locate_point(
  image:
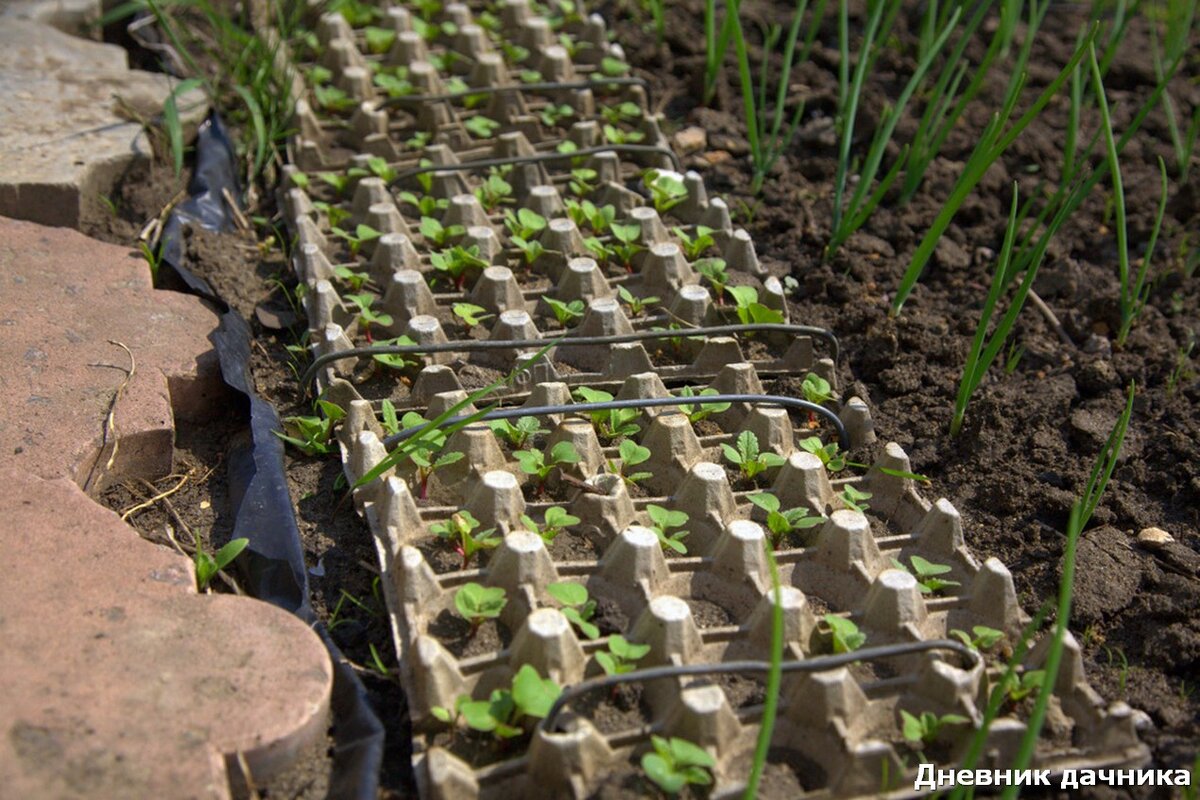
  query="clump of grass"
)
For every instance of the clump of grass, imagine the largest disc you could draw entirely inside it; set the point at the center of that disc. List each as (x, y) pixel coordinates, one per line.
(864, 199)
(995, 140)
(764, 124)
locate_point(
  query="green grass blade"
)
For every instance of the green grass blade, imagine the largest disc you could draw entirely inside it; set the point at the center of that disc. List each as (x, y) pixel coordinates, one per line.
(1118, 188)
(1080, 513)
(260, 127)
(774, 679)
(971, 373)
(1141, 292)
(171, 123)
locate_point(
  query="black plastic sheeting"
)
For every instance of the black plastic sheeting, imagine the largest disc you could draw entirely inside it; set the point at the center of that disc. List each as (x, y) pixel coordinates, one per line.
(272, 565)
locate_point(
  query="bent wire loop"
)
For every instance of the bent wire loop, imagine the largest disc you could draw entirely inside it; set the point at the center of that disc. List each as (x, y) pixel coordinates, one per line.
(641, 402)
(538, 158)
(817, 664)
(310, 374)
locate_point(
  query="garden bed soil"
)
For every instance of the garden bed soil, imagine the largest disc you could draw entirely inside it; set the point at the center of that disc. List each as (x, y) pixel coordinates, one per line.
(1031, 437)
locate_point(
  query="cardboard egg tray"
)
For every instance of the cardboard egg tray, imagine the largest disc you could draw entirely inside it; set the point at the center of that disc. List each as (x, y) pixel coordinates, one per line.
(839, 731)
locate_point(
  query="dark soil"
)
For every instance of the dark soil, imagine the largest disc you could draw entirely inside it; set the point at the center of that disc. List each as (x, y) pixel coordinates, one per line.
(1031, 436)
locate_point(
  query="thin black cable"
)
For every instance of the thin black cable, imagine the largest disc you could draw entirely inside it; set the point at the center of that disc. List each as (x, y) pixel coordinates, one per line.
(476, 345)
(818, 664)
(538, 158)
(640, 402)
(545, 86)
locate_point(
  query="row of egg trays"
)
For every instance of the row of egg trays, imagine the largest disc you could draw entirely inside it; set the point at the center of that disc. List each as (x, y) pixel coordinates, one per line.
(847, 568)
(379, 124)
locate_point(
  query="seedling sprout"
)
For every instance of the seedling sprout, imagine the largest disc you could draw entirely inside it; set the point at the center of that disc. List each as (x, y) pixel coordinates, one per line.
(663, 520)
(577, 607)
(476, 603)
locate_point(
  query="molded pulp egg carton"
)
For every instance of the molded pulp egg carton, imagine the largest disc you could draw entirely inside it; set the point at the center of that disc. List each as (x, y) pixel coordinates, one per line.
(712, 605)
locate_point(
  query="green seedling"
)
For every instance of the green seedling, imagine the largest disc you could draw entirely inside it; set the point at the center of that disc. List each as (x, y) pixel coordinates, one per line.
(313, 436)
(540, 465)
(663, 520)
(923, 730)
(379, 40)
(714, 271)
(481, 127)
(362, 234)
(427, 465)
(567, 314)
(366, 315)
(631, 454)
(617, 136)
(438, 235)
(828, 453)
(502, 713)
(750, 461)
(611, 423)
(207, 566)
(694, 246)
(493, 192)
(585, 212)
(153, 259)
(339, 181)
(613, 67)
(388, 419)
(470, 314)
(582, 181)
(667, 189)
(557, 521)
(524, 223)
(926, 573)
(553, 114)
(697, 412)
(394, 82)
(854, 499)
(457, 262)
(518, 433)
(625, 246)
(459, 530)
(981, 637)
(1182, 372)
(621, 112)
(477, 604)
(637, 305)
(622, 656)
(781, 524)
(427, 205)
(676, 763)
(354, 281)
(749, 310)
(577, 607)
(394, 360)
(845, 637)
(380, 168)
(332, 98)
(1017, 689)
(816, 389)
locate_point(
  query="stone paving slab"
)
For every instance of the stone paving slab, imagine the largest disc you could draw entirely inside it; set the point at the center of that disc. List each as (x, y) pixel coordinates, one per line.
(63, 297)
(69, 120)
(76, 17)
(118, 679)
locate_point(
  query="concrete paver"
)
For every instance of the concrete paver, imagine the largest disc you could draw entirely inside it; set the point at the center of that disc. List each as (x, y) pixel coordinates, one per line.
(119, 680)
(63, 297)
(70, 121)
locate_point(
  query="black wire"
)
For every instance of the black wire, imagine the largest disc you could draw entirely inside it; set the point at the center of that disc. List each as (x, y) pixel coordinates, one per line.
(538, 158)
(475, 345)
(818, 664)
(641, 402)
(546, 86)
